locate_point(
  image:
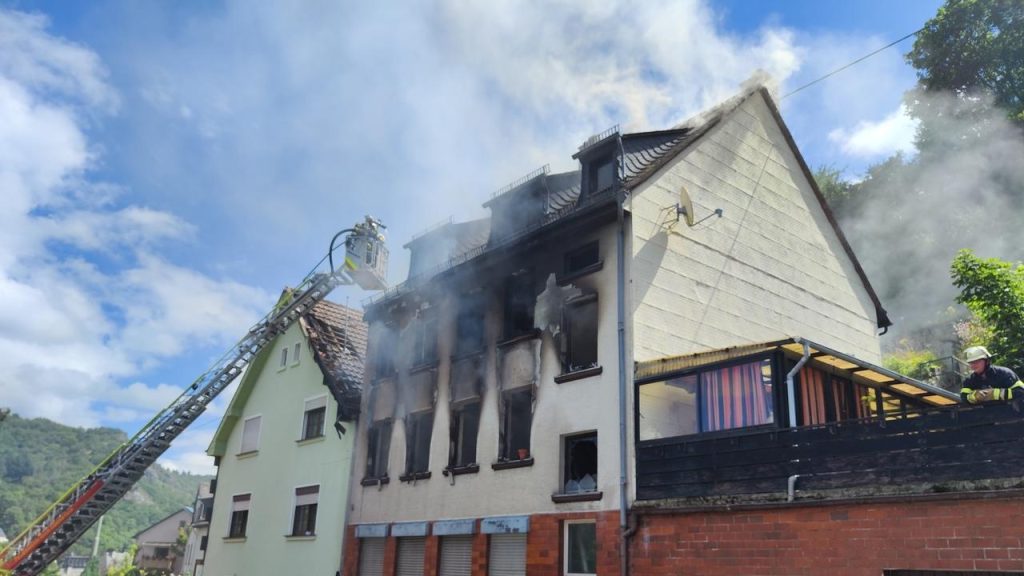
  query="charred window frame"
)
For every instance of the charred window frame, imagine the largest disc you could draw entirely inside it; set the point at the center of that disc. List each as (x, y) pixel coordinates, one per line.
(517, 421)
(384, 355)
(579, 463)
(579, 324)
(378, 444)
(418, 428)
(581, 259)
(469, 326)
(424, 343)
(520, 300)
(464, 427)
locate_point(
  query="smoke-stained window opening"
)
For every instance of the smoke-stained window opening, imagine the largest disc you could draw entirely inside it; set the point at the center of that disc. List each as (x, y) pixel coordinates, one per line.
(378, 441)
(579, 454)
(424, 339)
(582, 258)
(418, 428)
(384, 358)
(579, 325)
(517, 420)
(520, 299)
(463, 430)
(469, 325)
(602, 174)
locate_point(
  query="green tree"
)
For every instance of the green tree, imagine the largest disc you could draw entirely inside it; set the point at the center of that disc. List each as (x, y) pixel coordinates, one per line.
(971, 47)
(918, 363)
(993, 290)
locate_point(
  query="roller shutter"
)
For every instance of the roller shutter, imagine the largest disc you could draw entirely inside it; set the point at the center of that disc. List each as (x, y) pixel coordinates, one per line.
(410, 556)
(508, 555)
(456, 556)
(371, 556)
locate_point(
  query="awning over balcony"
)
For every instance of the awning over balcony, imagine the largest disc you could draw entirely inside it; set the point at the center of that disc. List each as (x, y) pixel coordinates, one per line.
(854, 369)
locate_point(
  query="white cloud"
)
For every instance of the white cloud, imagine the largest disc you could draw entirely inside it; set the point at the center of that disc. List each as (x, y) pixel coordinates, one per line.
(894, 133)
(86, 299)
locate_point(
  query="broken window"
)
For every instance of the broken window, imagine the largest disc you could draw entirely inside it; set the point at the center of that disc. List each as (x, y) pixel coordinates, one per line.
(517, 420)
(417, 441)
(602, 174)
(466, 383)
(424, 345)
(469, 329)
(314, 417)
(304, 516)
(378, 442)
(579, 471)
(715, 398)
(520, 300)
(465, 423)
(239, 515)
(582, 258)
(580, 328)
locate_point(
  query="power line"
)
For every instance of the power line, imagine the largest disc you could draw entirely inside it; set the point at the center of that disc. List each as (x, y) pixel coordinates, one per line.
(857, 61)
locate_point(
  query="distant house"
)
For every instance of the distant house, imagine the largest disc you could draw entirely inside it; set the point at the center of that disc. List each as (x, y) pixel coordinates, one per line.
(72, 565)
(284, 450)
(158, 546)
(198, 536)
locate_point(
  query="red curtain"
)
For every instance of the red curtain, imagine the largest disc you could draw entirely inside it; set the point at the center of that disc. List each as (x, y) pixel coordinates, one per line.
(813, 383)
(735, 397)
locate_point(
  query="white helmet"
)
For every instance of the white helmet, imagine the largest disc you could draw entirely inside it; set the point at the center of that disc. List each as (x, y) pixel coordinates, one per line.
(976, 353)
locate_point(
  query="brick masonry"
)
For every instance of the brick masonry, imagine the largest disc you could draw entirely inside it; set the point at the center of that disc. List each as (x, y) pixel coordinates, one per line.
(840, 540)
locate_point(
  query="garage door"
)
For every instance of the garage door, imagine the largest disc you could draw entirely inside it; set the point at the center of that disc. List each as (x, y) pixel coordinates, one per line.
(410, 556)
(456, 555)
(508, 555)
(371, 556)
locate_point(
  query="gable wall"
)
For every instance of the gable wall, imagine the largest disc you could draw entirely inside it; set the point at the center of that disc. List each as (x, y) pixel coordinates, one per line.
(280, 465)
(770, 268)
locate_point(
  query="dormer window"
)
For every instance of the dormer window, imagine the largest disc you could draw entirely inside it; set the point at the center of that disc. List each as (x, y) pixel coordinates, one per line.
(601, 174)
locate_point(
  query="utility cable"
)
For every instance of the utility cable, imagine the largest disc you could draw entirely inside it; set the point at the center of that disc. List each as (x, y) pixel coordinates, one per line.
(857, 61)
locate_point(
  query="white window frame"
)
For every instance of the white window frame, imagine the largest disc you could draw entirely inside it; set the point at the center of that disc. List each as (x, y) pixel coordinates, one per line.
(323, 426)
(296, 349)
(231, 515)
(565, 546)
(294, 509)
(283, 361)
(259, 435)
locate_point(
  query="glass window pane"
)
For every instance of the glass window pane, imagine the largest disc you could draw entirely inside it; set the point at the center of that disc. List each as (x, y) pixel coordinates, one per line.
(581, 544)
(669, 408)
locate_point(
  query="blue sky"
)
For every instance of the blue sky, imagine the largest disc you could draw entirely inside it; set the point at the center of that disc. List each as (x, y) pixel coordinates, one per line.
(170, 166)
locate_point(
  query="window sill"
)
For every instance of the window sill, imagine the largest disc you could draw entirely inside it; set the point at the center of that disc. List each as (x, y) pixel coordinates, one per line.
(249, 454)
(430, 365)
(232, 539)
(469, 354)
(508, 464)
(299, 537)
(378, 481)
(459, 470)
(578, 374)
(568, 277)
(532, 334)
(311, 440)
(414, 476)
(578, 497)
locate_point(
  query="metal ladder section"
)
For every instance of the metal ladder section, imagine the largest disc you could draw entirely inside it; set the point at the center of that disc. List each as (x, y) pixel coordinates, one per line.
(66, 520)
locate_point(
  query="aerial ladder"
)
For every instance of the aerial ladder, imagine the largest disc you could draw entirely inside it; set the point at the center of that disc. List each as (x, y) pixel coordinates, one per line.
(54, 531)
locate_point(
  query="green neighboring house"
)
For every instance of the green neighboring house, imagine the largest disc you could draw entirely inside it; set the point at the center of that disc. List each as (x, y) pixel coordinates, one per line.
(284, 451)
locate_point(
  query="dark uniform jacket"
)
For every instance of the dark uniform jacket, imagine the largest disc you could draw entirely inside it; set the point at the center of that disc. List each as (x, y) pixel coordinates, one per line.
(996, 377)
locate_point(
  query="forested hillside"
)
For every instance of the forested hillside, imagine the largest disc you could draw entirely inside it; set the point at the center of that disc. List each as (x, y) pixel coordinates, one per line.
(40, 459)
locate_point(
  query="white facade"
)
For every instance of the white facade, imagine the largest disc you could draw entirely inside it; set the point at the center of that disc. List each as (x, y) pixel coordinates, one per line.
(277, 392)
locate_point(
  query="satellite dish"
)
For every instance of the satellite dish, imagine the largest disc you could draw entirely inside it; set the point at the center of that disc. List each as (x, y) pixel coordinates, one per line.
(684, 207)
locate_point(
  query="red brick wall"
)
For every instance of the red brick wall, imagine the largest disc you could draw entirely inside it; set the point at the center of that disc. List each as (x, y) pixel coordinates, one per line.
(838, 540)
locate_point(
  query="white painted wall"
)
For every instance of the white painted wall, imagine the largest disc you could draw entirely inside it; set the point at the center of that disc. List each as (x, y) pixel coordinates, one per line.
(560, 410)
(770, 268)
(271, 476)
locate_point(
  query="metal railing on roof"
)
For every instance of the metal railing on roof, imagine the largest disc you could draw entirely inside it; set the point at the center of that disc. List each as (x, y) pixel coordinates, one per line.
(435, 226)
(594, 139)
(543, 170)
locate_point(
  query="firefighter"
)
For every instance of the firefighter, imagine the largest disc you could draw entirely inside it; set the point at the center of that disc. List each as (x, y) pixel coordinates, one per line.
(987, 382)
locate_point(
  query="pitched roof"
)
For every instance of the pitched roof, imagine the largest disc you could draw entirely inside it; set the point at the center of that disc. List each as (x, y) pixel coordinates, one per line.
(337, 337)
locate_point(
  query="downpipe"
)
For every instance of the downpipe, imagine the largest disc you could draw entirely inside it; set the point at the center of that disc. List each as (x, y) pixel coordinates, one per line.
(790, 386)
(620, 250)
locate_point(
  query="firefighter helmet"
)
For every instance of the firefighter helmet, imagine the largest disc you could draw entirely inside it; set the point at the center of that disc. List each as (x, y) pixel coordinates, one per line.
(976, 353)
